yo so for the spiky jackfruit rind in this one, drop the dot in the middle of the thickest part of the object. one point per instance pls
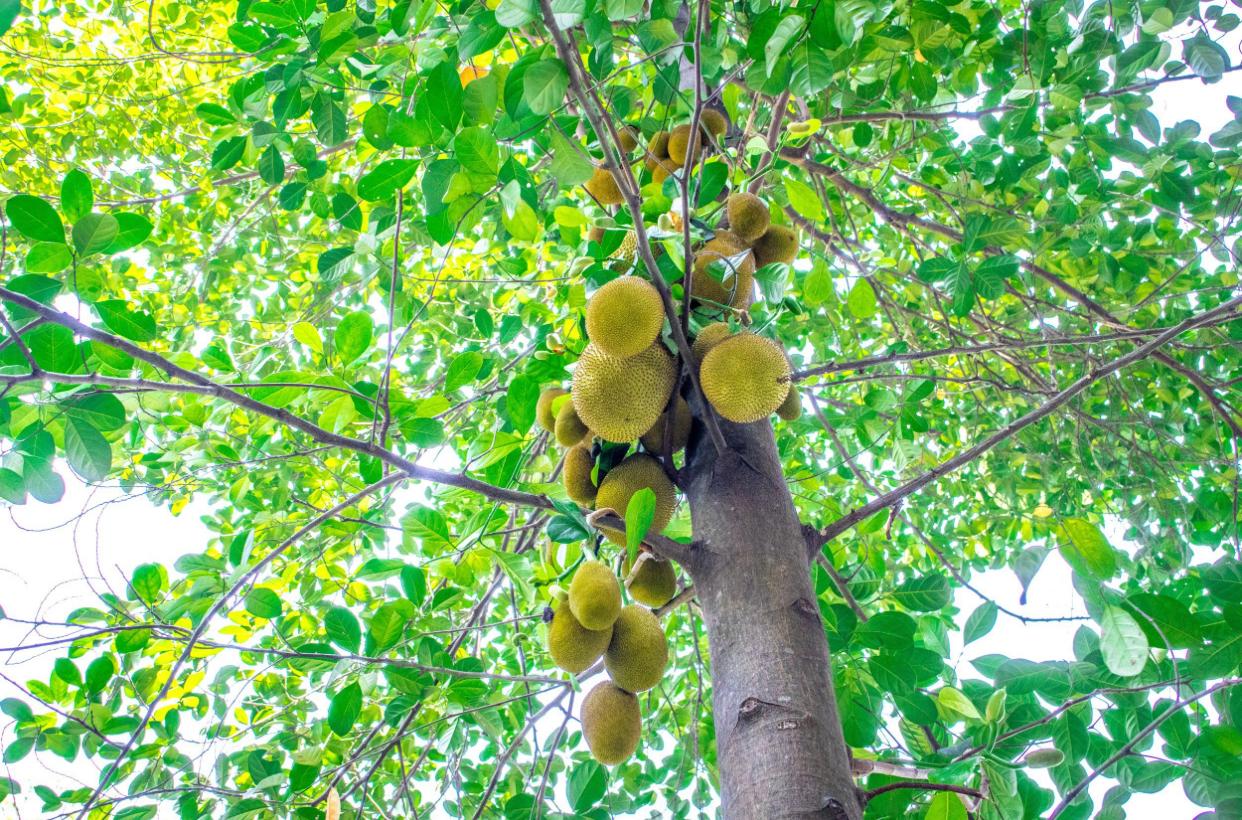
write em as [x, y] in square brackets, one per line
[745, 377]
[714, 121]
[619, 399]
[595, 595]
[748, 216]
[572, 646]
[679, 145]
[663, 170]
[657, 149]
[778, 244]
[638, 652]
[603, 186]
[709, 337]
[569, 428]
[543, 408]
[653, 439]
[654, 583]
[791, 407]
[612, 723]
[735, 290]
[625, 316]
[576, 475]
[631, 475]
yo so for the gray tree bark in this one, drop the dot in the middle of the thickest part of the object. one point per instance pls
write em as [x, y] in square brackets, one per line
[779, 746]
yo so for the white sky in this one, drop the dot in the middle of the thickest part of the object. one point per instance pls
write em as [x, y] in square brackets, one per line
[44, 557]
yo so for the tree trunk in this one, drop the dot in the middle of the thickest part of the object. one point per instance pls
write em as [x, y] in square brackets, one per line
[779, 744]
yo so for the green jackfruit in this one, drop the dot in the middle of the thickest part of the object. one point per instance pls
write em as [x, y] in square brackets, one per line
[748, 216]
[569, 428]
[595, 595]
[714, 121]
[655, 582]
[708, 337]
[738, 277]
[745, 377]
[638, 652]
[657, 149]
[543, 407]
[791, 407]
[576, 475]
[612, 723]
[574, 647]
[653, 439]
[603, 186]
[631, 475]
[625, 316]
[778, 244]
[679, 145]
[619, 399]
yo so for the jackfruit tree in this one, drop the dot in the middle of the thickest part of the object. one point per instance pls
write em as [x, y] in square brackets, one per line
[597, 408]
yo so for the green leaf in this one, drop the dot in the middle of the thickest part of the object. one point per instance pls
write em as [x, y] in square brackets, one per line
[980, 622]
[924, 594]
[588, 783]
[1086, 550]
[385, 179]
[343, 629]
[784, 33]
[953, 700]
[148, 582]
[893, 631]
[477, 151]
[639, 513]
[87, 451]
[861, 301]
[67, 671]
[213, 114]
[444, 94]
[962, 290]
[516, 13]
[338, 415]
[129, 324]
[264, 603]
[520, 402]
[133, 229]
[544, 85]
[98, 673]
[9, 9]
[308, 334]
[344, 709]
[53, 348]
[48, 257]
[353, 336]
[804, 199]
[935, 268]
[414, 584]
[228, 153]
[1122, 643]
[622, 9]
[76, 197]
[388, 624]
[271, 165]
[463, 370]
[946, 806]
[1208, 59]
[94, 232]
[34, 218]
[18, 748]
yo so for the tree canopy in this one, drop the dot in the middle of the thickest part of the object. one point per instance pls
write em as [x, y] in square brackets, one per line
[314, 261]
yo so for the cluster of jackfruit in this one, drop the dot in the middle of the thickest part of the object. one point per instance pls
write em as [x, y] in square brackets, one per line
[591, 622]
[666, 152]
[750, 242]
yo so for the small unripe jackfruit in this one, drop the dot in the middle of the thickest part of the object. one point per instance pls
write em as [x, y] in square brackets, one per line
[748, 216]
[791, 407]
[778, 244]
[628, 138]
[654, 583]
[734, 290]
[679, 145]
[576, 475]
[569, 428]
[543, 407]
[625, 316]
[745, 377]
[595, 595]
[638, 652]
[603, 186]
[708, 338]
[657, 149]
[612, 723]
[714, 121]
[663, 170]
[574, 647]
[620, 398]
[619, 485]
[653, 439]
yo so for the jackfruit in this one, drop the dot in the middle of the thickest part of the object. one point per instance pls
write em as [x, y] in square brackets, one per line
[603, 186]
[569, 428]
[631, 475]
[734, 290]
[714, 121]
[574, 647]
[628, 138]
[748, 216]
[655, 582]
[595, 595]
[791, 407]
[653, 439]
[611, 723]
[619, 399]
[663, 170]
[778, 244]
[745, 377]
[657, 149]
[596, 233]
[576, 475]
[625, 316]
[629, 246]
[709, 337]
[543, 407]
[679, 145]
[638, 652]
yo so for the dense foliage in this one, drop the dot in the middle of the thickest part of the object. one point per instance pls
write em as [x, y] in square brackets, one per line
[315, 261]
